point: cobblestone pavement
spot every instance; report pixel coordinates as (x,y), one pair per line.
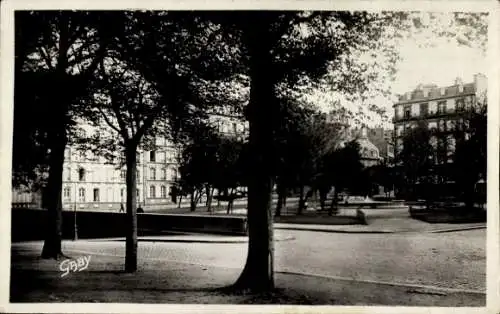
(454,260)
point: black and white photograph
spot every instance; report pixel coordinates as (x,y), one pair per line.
(224,156)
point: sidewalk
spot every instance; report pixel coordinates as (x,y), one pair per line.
(383,227)
(157,281)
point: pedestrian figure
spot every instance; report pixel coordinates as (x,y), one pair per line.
(121,208)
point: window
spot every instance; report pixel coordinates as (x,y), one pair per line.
(460,104)
(122,194)
(432,107)
(152,191)
(67,193)
(432,125)
(443,91)
(407,112)
(81,194)
(81,174)
(163,191)
(449,125)
(163,174)
(450,106)
(441,107)
(415,110)
(424,109)
(161,156)
(451,145)
(442,125)
(68,174)
(96,195)
(152,173)
(138,195)
(235,128)
(160,140)
(138,176)
(152,156)
(123,174)
(174,175)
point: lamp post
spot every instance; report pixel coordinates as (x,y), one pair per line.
(75,226)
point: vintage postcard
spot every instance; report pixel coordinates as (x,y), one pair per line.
(281,157)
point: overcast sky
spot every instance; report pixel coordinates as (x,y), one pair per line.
(425,59)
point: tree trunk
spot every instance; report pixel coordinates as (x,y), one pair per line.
(131,236)
(281,199)
(193,202)
(230,201)
(302,202)
(53,201)
(258,273)
(210,192)
(180,201)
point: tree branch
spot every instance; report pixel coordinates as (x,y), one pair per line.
(46,57)
(108,121)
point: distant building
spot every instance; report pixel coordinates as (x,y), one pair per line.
(443,110)
(370,153)
(383,140)
(91,182)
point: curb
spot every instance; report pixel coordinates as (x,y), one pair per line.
(336,231)
(458,229)
(224,240)
(380,231)
(427,289)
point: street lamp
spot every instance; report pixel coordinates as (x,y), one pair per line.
(75,226)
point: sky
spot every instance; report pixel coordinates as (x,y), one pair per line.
(438,65)
(425,59)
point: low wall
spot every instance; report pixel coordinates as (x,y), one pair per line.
(30,224)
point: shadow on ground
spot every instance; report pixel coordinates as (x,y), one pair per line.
(38,280)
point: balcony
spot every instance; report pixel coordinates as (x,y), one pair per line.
(429,115)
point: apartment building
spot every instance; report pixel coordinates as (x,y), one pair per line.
(90,182)
(443,110)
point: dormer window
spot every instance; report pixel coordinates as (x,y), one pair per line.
(460,88)
(408,95)
(443,91)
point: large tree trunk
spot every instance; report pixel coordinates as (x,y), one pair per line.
(281,199)
(210,192)
(258,274)
(131,236)
(53,201)
(302,201)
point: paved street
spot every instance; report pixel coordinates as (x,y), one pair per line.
(453,260)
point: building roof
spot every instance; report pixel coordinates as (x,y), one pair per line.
(417,95)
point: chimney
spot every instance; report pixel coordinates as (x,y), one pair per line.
(460,84)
